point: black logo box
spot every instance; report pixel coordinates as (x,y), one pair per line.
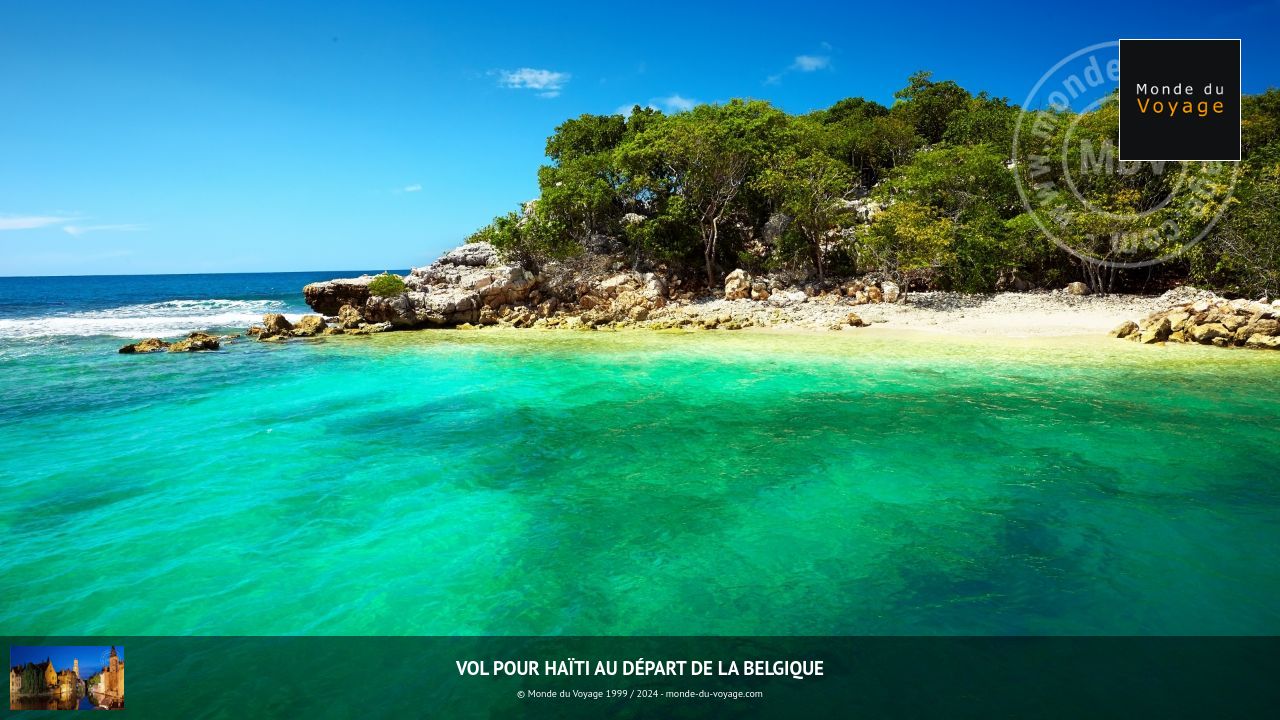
(1186,68)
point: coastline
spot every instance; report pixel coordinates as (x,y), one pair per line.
(1000,315)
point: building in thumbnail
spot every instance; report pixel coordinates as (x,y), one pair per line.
(110,682)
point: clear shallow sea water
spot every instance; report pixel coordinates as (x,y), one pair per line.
(622,483)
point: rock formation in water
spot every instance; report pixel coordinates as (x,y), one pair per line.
(194,342)
(329,297)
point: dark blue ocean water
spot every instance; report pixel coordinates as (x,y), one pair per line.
(136,306)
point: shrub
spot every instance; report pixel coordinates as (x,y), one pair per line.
(386,285)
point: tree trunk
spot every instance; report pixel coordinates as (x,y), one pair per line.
(709,253)
(815,250)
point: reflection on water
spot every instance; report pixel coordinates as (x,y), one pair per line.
(59,702)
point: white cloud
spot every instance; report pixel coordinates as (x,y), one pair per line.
(676,103)
(118,227)
(29,222)
(549,83)
(416,187)
(811,63)
(804,64)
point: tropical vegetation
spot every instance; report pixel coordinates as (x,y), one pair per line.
(925,191)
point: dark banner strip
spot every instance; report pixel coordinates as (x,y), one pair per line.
(677,677)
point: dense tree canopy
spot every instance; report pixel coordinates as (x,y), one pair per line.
(924,190)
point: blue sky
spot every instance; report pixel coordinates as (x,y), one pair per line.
(149,137)
(92,657)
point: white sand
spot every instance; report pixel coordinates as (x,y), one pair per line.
(1011,314)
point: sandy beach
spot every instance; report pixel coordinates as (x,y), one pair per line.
(1009,315)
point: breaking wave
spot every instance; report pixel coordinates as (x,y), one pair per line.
(161,319)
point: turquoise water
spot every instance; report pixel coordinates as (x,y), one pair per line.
(639,483)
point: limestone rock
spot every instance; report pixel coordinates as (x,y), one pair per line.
(328,297)
(145,346)
(309,326)
(195,342)
(875,294)
(370,329)
(276,324)
(1077,288)
(784,298)
(349,317)
(854,321)
(1157,331)
(891,291)
(1204,318)
(1207,333)
(451,290)
(1262,326)
(477,254)
(759,291)
(737,285)
(655,289)
(1125,329)
(437,306)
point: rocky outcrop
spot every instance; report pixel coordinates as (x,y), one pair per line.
(196,342)
(737,285)
(149,345)
(193,342)
(436,306)
(619,298)
(448,292)
(309,326)
(328,297)
(1215,321)
(275,324)
(1125,329)
(348,318)
(475,287)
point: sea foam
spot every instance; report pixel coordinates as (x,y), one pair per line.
(160,319)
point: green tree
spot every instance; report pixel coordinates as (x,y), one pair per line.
(706,157)
(1260,120)
(810,188)
(529,238)
(584,136)
(985,120)
(973,188)
(1243,252)
(928,105)
(906,238)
